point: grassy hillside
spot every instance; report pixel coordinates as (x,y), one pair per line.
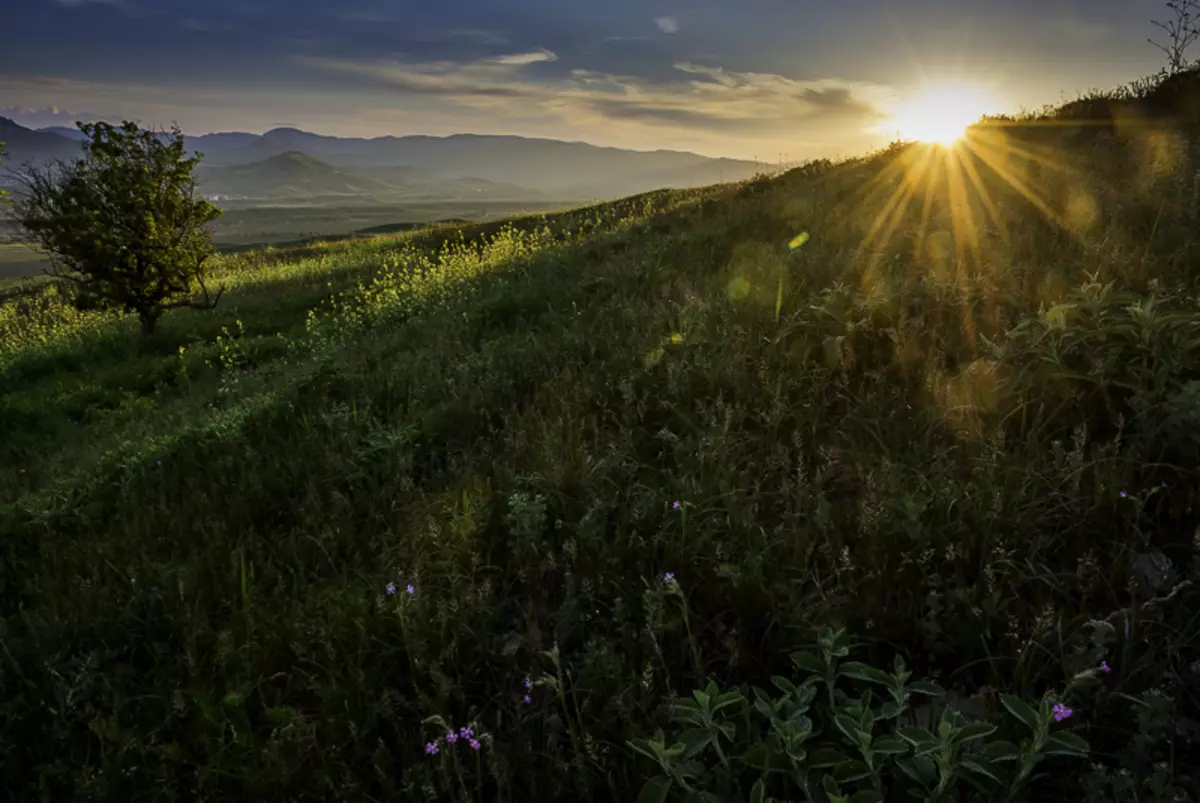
(539,477)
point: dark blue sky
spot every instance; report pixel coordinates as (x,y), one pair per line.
(741,78)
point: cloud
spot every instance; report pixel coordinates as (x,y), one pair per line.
(708,100)
(525,58)
(667,24)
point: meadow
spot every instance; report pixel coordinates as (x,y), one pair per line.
(464,513)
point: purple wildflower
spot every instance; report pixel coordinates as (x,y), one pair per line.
(451,737)
(1104,667)
(1164,485)
(466,733)
(390,589)
(675,504)
(410,589)
(1123,494)
(526,699)
(474,744)
(528,684)
(431,748)
(669,577)
(1061,712)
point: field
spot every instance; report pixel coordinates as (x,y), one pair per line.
(539,478)
(245,226)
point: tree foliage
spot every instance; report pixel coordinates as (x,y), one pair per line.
(123,222)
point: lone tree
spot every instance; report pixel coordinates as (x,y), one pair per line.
(123,222)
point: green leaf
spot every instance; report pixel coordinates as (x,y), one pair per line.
(808,662)
(925,687)
(918,737)
(866,723)
(694,741)
(758,791)
(975,730)
(727,699)
(847,726)
(655,790)
(826,757)
(675,750)
(649,749)
(1021,710)
(830,786)
(765,708)
(1001,751)
(1065,743)
(702,698)
(850,771)
(783,684)
(860,671)
(977,768)
(920,768)
(889,746)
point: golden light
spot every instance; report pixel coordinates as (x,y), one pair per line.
(940,113)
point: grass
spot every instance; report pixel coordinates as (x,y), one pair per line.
(959,422)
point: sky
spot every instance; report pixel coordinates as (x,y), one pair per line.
(774,80)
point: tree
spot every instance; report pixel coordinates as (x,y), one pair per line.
(123,222)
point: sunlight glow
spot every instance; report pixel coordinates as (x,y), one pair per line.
(940,113)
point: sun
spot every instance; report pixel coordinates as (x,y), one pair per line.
(939,113)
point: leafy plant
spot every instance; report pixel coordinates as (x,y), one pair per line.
(846,732)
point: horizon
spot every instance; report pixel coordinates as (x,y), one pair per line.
(769,82)
(394,136)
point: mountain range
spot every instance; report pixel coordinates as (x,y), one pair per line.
(287,162)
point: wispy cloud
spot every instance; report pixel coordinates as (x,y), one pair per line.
(709,97)
(667,24)
(525,58)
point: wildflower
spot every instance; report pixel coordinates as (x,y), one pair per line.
(528,684)
(1061,712)
(675,504)
(451,737)
(474,744)
(466,733)
(1104,667)
(1123,494)
(526,699)
(431,748)
(669,577)
(410,589)
(1164,485)
(390,589)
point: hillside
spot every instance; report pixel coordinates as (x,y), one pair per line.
(288,174)
(22,145)
(458,514)
(299,176)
